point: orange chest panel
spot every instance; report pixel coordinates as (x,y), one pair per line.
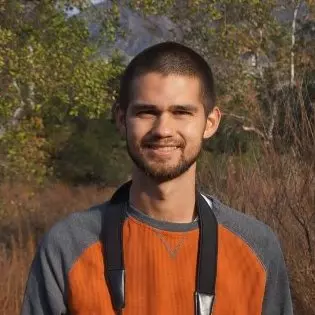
(161,272)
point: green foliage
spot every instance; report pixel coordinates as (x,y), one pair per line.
(151,7)
(49,71)
(93,153)
(56,92)
(111,23)
(26,157)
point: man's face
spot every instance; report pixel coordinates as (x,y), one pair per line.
(165,124)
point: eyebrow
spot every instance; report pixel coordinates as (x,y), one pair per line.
(184,107)
(142,106)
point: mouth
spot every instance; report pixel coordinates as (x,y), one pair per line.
(162,149)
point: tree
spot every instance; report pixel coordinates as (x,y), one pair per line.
(254,55)
(49,72)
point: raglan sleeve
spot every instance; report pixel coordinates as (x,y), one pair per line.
(277,298)
(45,287)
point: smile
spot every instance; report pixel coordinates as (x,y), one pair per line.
(164,149)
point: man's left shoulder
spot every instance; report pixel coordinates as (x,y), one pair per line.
(256,234)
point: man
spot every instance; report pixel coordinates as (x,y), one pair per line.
(159,246)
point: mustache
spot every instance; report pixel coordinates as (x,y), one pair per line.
(158,142)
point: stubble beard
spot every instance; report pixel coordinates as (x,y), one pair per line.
(158,171)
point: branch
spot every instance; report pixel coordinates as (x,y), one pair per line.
(307,233)
(239,117)
(255,130)
(247,128)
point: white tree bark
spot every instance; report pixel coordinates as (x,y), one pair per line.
(295,14)
(273,117)
(251,127)
(18,113)
(31,85)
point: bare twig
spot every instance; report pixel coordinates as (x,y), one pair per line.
(255,130)
(251,128)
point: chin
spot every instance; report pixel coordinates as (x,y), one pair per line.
(164,169)
(162,174)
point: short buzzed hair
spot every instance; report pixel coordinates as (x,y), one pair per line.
(168,58)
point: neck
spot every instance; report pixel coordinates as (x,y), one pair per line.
(172,201)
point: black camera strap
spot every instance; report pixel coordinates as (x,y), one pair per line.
(114,215)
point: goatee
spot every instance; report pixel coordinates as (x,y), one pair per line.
(160,174)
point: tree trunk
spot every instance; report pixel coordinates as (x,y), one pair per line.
(296,11)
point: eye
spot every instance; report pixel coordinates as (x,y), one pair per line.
(182,112)
(145,113)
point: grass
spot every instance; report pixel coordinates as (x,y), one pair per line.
(25,214)
(277,189)
(280,191)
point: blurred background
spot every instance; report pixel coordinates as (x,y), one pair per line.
(60,63)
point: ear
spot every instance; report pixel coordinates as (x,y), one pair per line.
(120,120)
(212,123)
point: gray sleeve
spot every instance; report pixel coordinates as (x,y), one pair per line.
(265,244)
(45,288)
(277,299)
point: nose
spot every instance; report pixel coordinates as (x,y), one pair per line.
(162,126)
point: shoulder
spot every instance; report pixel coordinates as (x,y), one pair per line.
(256,234)
(68,238)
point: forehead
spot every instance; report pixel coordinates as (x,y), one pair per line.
(159,89)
